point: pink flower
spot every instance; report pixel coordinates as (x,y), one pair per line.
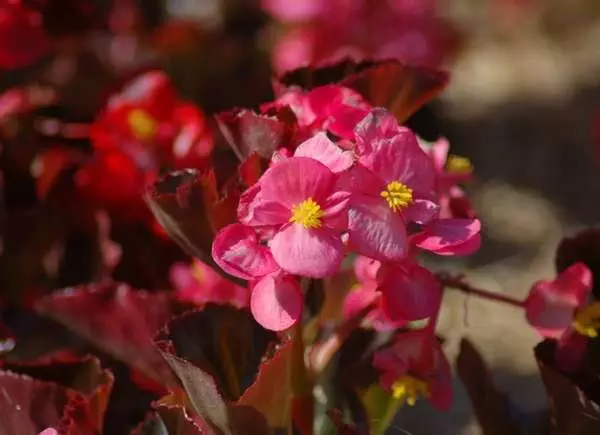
(400,293)
(320,148)
(393,184)
(550,306)
(297,201)
(276,301)
(411,370)
(49,431)
(451,171)
(332,107)
(200,284)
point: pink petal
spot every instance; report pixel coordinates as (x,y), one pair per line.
(254,211)
(296,179)
(421,211)
(360,180)
(379,125)
(550,305)
(336,211)
(315,253)
(375,230)
(366,268)
(236,249)
(276,302)
(409,292)
(570,350)
(320,148)
(359,298)
(402,159)
(447,235)
(49,431)
(439,153)
(294,11)
(180,275)
(466,248)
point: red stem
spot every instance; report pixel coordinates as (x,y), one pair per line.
(457,282)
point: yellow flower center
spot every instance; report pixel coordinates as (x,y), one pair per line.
(458,165)
(307,213)
(397,195)
(408,389)
(587,320)
(143,126)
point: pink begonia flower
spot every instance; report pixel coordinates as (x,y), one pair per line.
(451,171)
(401,293)
(331,107)
(200,284)
(321,148)
(409,292)
(406,370)
(296,10)
(393,184)
(550,306)
(449,237)
(49,431)
(299,201)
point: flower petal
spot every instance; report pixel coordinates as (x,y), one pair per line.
(409,292)
(366,268)
(446,235)
(236,249)
(336,211)
(254,211)
(359,298)
(276,302)
(379,125)
(320,148)
(296,179)
(315,253)
(375,230)
(421,211)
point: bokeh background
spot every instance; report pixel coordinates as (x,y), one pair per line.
(523,104)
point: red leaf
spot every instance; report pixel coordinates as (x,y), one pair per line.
(489,404)
(117,319)
(274,403)
(187,205)
(400,88)
(573,409)
(221,340)
(169,420)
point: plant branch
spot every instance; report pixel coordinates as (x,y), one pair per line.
(456,282)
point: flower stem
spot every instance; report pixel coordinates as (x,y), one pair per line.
(457,283)
(322,353)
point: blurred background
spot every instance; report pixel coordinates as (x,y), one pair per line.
(523,105)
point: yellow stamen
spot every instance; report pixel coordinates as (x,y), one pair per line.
(307,213)
(458,165)
(408,389)
(143,126)
(398,195)
(587,320)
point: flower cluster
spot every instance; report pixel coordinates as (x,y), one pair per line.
(376,197)
(143,128)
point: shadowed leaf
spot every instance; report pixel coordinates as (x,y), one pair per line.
(491,406)
(402,89)
(170,420)
(221,340)
(572,410)
(118,320)
(271,392)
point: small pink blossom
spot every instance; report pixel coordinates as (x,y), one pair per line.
(334,108)
(49,431)
(297,201)
(393,184)
(200,284)
(550,305)
(411,369)
(449,237)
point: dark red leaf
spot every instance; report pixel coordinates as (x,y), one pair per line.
(221,340)
(169,420)
(400,88)
(573,398)
(187,204)
(491,406)
(117,319)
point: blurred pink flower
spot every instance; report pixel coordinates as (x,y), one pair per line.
(200,284)
(411,371)
(276,301)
